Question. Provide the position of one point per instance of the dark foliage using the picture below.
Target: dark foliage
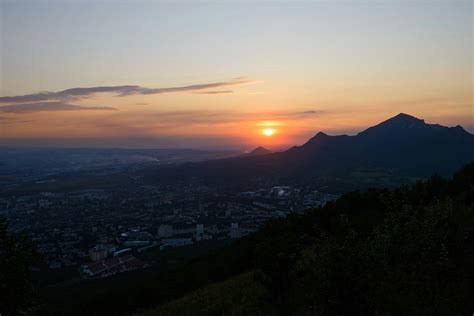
(16, 289)
(402, 252)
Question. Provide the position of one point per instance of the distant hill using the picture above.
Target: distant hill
(400, 147)
(259, 151)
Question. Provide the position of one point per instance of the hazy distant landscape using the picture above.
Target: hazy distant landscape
(22, 166)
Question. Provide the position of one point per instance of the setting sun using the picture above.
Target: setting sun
(268, 131)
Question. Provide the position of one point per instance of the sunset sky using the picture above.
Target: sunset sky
(216, 74)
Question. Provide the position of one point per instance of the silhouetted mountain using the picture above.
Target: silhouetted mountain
(402, 146)
(259, 151)
(403, 143)
(404, 124)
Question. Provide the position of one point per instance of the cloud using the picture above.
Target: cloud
(192, 88)
(222, 116)
(22, 108)
(215, 92)
(207, 117)
(7, 119)
(302, 114)
(310, 112)
(4, 120)
(292, 115)
(69, 94)
(79, 93)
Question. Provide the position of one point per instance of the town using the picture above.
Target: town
(100, 232)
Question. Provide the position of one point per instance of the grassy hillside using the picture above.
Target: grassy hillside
(240, 295)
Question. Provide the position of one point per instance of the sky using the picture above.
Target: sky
(220, 74)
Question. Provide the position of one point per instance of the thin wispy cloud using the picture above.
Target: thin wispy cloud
(22, 108)
(119, 91)
(168, 123)
(221, 117)
(215, 92)
(291, 115)
(69, 94)
(300, 114)
(192, 88)
(5, 120)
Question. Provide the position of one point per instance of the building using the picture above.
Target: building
(165, 231)
(122, 252)
(101, 251)
(234, 230)
(199, 229)
(136, 243)
(175, 242)
(104, 268)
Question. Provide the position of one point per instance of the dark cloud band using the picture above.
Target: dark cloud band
(78, 93)
(22, 108)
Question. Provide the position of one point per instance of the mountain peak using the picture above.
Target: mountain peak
(259, 151)
(403, 117)
(320, 137)
(401, 121)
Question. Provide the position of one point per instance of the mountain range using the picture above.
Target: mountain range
(402, 146)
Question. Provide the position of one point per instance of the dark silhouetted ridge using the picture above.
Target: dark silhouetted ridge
(399, 122)
(403, 145)
(259, 151)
